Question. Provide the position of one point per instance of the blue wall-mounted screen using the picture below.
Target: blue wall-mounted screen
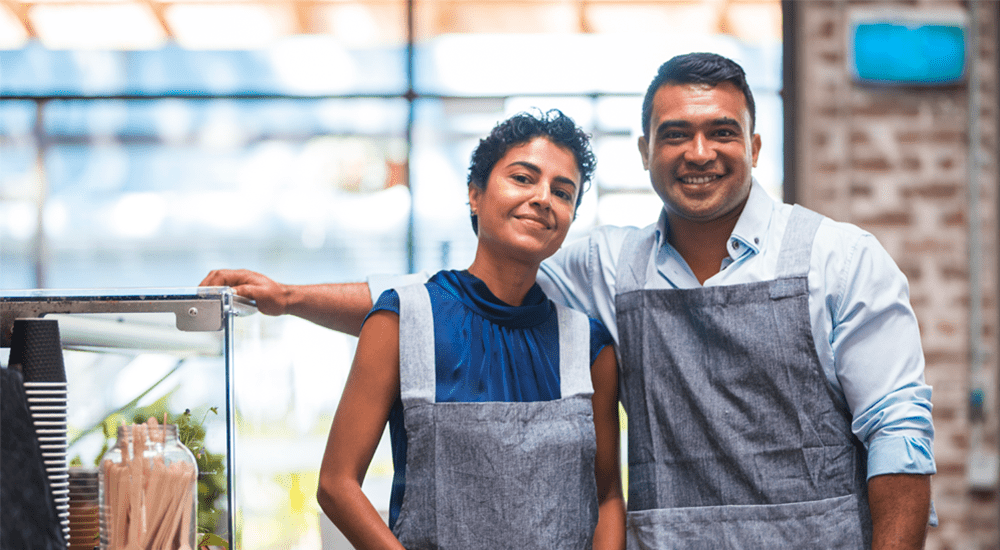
(907, 54)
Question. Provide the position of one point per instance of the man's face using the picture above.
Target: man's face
(699, 152)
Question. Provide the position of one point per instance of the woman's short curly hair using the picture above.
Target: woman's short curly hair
(522, 128)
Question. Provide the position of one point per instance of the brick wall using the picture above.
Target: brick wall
(897, 163)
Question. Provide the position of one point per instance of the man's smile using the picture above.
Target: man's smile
(698, 180)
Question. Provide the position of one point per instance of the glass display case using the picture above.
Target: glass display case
(166, 353)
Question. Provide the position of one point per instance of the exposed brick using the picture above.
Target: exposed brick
(954, 219)
(832, 57)
(955, 273)
(872, 164)
(945, 136)
(858, 190)
(931, 356)
(886, 108)
(927, 246)
(895, 162)
(933, 191)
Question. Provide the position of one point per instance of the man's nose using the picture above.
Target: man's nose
(700, 150)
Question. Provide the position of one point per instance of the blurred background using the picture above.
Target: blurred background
(145, 142)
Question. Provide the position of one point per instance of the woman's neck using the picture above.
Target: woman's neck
(508, 280)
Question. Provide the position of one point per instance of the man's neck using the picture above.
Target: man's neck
(703, 245)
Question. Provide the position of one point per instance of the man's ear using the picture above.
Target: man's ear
(644, 151)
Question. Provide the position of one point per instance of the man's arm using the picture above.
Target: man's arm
(900, 505)
(880, 366)
(340, 306)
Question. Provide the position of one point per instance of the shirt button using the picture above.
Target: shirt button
(736, 245)
(756, 240)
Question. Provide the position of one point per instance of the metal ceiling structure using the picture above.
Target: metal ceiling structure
(253, 24)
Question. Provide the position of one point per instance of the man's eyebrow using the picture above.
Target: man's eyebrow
(681, 123)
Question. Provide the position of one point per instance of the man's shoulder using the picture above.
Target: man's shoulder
(830, 229)
(838, 244)
(615, 235)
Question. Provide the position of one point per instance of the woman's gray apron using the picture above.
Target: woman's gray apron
(734, 437)
(495, 475)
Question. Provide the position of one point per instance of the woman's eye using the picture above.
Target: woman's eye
(520, 178)
(565, 195)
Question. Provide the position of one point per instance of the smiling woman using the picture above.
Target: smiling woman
(487, 344)
(523, 203)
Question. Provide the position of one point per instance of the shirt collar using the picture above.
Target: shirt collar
(750, 228)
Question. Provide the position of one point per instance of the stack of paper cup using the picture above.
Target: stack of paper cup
(84, 514)
(37, 349)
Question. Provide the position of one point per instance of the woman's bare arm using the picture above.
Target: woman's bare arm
(371, 390)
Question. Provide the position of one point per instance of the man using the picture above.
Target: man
(771, 364)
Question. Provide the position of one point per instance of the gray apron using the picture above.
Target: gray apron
(495, 475)
(734, 437)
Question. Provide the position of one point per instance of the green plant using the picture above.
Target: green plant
(211, 469)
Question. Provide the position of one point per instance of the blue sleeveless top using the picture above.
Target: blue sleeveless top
(485, 350)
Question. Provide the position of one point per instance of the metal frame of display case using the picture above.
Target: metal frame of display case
(198, 309)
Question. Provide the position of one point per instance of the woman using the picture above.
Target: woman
(504, 429)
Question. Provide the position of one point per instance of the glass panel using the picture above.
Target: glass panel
(131, 355)
(299, 65)
(20, 194)
(305, 190)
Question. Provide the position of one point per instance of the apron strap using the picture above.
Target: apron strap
(417, 371)
(574, 352)
(796, 245)
(635, 262)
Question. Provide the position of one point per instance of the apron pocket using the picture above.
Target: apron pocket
(828, 523)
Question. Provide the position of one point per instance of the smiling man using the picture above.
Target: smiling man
(770, 360)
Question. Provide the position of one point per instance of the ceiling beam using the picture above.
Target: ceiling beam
(20, 10)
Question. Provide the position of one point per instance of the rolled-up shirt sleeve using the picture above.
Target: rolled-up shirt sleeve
(879, 362)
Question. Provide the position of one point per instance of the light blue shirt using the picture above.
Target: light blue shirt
(865, 331)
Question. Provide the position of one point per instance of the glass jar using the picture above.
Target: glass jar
(148, 490)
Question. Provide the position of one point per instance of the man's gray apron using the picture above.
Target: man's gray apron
(495, 475)
(734, 437)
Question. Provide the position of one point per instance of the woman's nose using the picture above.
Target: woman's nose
(543, 195)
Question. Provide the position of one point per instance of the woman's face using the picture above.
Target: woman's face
(529, 200)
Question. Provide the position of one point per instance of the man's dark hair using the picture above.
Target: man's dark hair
(522, 128)
(697, 68)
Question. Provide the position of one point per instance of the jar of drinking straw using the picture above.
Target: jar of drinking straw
(148, 490)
